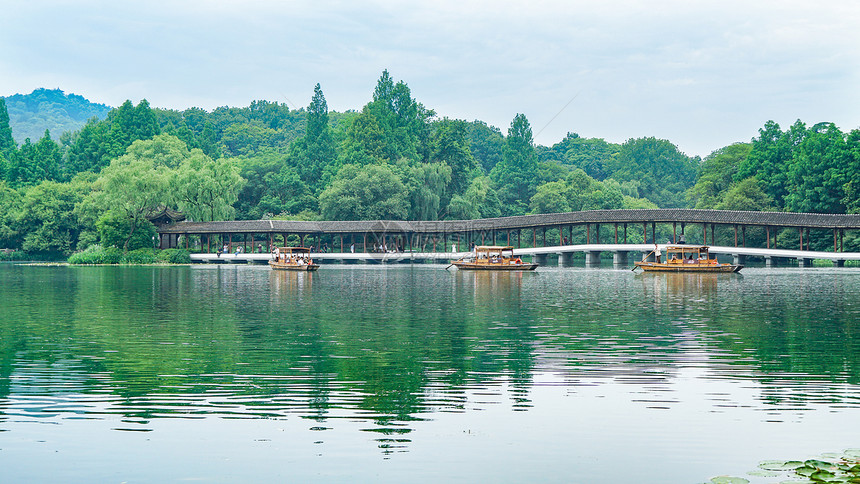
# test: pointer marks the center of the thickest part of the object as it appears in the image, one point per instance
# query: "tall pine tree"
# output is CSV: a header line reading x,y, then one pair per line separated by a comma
x,y
516,175
7,143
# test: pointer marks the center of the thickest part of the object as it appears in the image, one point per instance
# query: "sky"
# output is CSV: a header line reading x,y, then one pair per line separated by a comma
x,y
701,74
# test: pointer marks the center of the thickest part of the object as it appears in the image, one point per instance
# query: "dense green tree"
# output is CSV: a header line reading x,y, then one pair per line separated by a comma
x,y
317,117
551,197
254,170
479,201
852,187
664,173
450,145
206,189
271,188
369,192
578,191
717,175
46,220
487,144
365,141
593,155
116,229
273,115
34,162
817,175
99,142
515,176
87,210
607,196
7,143
10,200
746,195
392,126
426,186
461,209
314,156
548,171
160,151
134,187
287,195
770,158
194,126
157,173
247,138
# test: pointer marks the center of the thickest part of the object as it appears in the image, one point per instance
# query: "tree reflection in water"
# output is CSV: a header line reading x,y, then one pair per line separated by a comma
x,y
390,346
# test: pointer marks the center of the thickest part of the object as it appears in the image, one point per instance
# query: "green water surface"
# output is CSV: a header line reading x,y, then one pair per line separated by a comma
x,y
418,374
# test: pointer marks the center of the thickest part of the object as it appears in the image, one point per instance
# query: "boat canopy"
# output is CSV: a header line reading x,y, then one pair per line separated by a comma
x,y
294,250
495,250
687,251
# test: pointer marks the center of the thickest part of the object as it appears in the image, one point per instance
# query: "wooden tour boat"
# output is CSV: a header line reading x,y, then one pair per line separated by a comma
x,y
292,259
684,258
493,258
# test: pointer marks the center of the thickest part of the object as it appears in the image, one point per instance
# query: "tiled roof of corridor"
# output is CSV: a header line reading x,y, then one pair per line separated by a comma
x,y
666,215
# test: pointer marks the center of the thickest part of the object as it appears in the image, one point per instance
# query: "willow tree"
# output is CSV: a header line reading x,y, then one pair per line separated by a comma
x,y
206,189
132,188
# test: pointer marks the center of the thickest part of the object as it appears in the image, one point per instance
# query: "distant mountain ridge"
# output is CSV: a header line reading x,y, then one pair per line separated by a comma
x,y
49,109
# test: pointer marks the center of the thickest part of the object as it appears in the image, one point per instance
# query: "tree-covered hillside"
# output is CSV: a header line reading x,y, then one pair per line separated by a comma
x,y
30,115
392,159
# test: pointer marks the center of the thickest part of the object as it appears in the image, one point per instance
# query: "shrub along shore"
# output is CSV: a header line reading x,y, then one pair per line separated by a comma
x,y
97,254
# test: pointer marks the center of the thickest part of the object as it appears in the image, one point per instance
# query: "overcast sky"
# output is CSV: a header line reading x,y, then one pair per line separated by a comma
x,y
702,74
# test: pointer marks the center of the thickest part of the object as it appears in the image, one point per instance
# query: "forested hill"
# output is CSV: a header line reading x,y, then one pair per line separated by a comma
x,y
50,109
394,159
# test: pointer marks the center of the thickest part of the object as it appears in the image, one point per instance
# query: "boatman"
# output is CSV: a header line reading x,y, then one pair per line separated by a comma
x,y
657,253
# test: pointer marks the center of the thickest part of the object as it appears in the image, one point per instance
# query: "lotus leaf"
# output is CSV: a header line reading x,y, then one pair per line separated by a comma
x,y
729,480
821,475
805,471
780,465
820,464
763,473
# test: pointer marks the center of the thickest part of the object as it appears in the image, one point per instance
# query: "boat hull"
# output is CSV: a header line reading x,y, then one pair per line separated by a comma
x,y
470,266
699,268
280,266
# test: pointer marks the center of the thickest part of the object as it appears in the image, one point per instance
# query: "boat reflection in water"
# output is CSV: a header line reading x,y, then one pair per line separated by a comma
x,y
291,282
491,287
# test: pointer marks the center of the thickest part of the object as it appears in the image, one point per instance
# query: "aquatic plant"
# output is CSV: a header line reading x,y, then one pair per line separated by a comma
x,y
841,467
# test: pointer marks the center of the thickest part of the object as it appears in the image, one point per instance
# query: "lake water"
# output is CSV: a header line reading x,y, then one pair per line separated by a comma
x,y
418,374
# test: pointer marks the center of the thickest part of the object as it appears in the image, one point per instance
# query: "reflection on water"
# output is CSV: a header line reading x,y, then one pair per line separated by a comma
x,y
388,348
